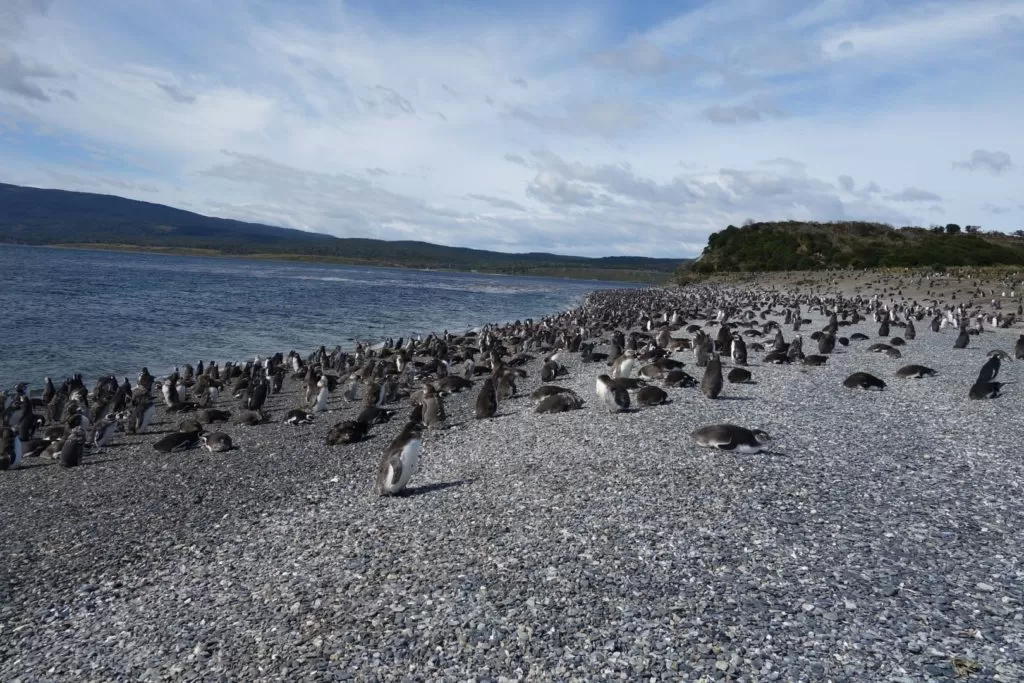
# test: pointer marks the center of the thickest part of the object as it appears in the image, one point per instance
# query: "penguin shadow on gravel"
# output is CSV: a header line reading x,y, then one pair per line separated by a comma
x,y
414,491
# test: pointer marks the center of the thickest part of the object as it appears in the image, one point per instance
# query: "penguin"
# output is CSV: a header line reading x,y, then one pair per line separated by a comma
x,y
910,333
815,360
651,396
915,372
48,391
177,441
251,418
347,432
863,380
11,450
433,408
827,344
141,417
559,403
546,390
1018,348
104,430
980,390
213,415
730,437
711,384
400,461
739,351
216,442
298,416
679,379
614,396
320,403
738,376
551,370
486,401
962,339
989,371
373,415
73,448
190,425
351,392
624,365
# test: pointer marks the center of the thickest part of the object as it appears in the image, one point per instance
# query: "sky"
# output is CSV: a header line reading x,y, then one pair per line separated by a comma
x,y
597,129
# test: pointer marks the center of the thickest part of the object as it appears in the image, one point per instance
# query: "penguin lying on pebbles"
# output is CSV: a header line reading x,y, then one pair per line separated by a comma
x,y
546,390
651,396
729,437
915,372
738,376
559,403
216,442
374,415
680,379
298,416
177,441
213,415
347,432
251,418
863,380
400,461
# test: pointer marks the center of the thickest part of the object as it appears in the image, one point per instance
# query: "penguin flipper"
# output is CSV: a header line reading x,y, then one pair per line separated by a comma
x,y
727,445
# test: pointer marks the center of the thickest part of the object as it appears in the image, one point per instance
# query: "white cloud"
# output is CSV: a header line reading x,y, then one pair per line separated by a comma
x,y
983,160
535,131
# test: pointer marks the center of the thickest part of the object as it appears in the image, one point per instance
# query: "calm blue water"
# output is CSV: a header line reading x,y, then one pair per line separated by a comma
x,y
97,313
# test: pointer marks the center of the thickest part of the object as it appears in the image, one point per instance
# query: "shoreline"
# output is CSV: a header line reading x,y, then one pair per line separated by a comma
x,y
550,546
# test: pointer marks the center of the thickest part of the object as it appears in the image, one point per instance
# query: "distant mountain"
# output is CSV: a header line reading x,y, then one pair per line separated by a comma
x,y
59,217
794,245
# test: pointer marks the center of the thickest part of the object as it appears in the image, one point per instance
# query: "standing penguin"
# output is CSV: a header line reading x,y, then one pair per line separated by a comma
x,y
612,394
962,339
73,448
910,332
711,384
1018,349
400,461
486,400
433,408
739,351
320,403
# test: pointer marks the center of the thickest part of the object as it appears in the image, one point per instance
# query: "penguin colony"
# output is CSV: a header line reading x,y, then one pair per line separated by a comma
x,y
641,346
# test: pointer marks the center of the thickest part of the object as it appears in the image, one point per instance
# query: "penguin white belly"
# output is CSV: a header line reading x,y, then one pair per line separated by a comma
x,y
606,396
321,401
147,416
410,458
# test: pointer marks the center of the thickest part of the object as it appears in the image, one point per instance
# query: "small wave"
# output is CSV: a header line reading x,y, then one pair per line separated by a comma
x,y
322,278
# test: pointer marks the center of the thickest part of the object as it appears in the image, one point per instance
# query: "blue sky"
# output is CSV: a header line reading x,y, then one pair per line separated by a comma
x,y
587,128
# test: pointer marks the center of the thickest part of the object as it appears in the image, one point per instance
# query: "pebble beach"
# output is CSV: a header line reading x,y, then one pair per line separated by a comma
x,y
879,539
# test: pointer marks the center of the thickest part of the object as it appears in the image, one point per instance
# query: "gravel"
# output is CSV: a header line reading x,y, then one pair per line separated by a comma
x,y
880,539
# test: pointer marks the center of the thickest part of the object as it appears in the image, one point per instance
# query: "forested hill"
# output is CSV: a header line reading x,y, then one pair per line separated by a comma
x,y
796,245
59,217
